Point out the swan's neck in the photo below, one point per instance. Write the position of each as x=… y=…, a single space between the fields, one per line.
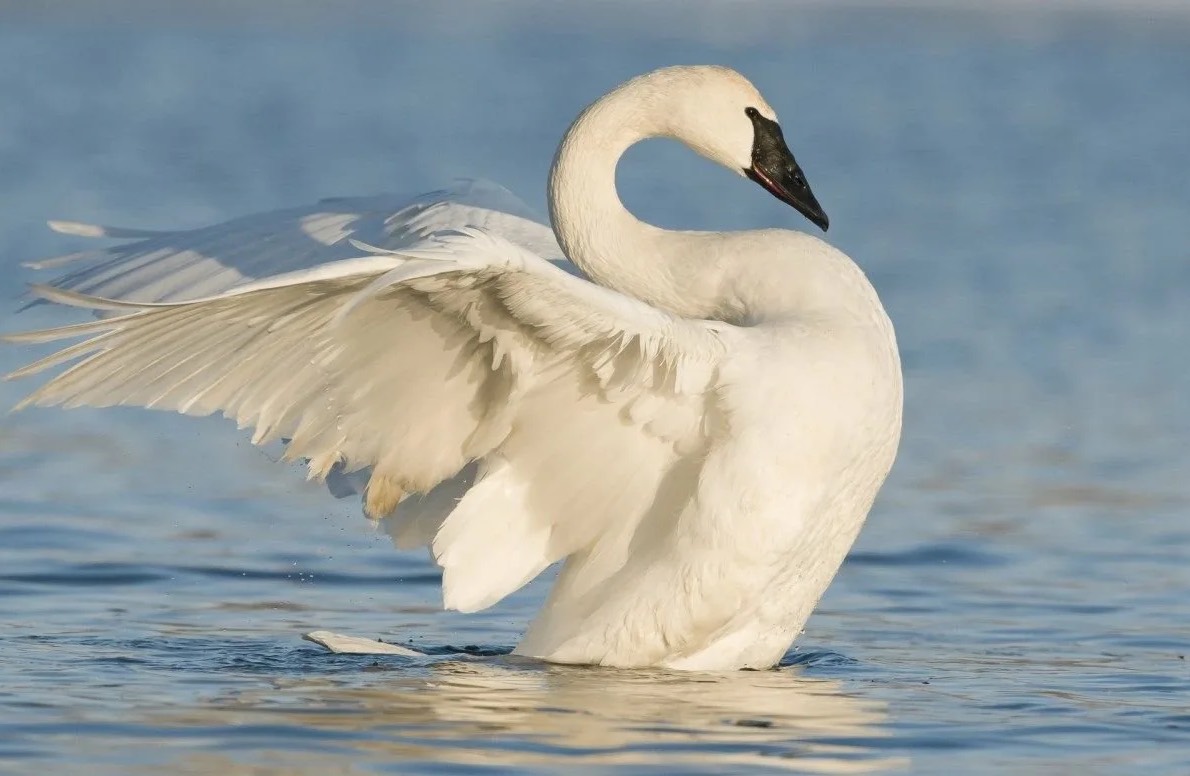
x=740 y=277
x=596 y=231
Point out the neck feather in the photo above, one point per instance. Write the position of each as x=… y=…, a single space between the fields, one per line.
x=596 y=231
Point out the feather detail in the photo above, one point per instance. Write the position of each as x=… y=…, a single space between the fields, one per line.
x=410 y=367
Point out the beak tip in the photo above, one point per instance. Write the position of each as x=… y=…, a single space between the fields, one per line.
x=815 y=216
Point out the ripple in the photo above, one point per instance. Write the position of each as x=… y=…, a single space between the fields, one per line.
x=115 y=574
x=105 y=574
x=929 y=555
x=817 y=659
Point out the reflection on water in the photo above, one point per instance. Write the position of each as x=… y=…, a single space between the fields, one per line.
x=519 y=713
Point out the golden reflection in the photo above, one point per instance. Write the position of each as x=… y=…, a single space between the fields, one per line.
x=512 y=713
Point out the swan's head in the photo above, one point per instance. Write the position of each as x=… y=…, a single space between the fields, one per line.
x=721 y=115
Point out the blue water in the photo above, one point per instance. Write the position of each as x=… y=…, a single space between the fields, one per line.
x=1015 y=185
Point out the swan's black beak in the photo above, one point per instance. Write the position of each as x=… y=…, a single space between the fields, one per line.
x=774 y=167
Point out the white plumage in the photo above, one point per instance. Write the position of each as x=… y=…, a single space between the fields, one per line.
x=698 y=434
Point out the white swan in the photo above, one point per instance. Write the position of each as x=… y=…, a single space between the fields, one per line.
x=698 y=434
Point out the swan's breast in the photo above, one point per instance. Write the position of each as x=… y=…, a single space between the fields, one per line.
x=812 y=415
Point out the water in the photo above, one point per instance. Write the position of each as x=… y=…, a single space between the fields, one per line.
x=1015 y=186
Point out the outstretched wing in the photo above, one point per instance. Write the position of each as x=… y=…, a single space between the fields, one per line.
x=576 y=402
x=179 y=265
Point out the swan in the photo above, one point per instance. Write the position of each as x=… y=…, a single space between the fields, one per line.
x=694 y=424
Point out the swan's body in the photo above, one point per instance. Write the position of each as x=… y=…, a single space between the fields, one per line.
x=698 y=434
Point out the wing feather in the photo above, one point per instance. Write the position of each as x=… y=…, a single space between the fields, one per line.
x=161 y=266
x=573 y=401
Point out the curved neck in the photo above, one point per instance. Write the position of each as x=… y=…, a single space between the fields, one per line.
x=738 y=277
x=596 y=231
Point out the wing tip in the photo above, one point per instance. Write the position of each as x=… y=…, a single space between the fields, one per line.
x=64 y=296
x=458 y=596
x=57 y=261
x=76 y=228
x=369 y=248
x=80 y=229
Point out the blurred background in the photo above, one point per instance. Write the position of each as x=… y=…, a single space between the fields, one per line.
x=1012 y=177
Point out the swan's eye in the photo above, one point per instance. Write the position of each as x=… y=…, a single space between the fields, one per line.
x=751 y=113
